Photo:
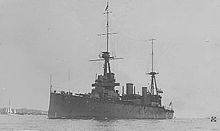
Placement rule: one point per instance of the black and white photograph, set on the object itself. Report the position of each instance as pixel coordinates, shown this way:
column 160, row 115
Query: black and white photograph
column 109, row 65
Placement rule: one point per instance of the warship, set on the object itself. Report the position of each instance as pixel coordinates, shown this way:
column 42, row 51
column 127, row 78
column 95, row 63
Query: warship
column 104, row 101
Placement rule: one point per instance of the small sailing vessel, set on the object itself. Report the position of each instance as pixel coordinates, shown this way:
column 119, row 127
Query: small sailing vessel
column 9, row 110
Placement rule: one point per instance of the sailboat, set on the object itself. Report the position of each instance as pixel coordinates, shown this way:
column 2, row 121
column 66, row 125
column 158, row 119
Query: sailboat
column 9, row 110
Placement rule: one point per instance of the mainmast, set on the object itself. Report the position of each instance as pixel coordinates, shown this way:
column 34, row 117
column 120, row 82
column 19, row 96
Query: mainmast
column 154, row 90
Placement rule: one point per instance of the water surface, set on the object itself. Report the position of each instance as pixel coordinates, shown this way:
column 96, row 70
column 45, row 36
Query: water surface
column 41, row 123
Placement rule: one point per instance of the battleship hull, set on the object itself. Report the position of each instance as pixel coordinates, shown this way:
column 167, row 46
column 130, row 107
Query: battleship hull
column 74, row 107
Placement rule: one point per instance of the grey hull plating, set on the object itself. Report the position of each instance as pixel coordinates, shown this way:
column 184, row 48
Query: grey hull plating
column 70, row 106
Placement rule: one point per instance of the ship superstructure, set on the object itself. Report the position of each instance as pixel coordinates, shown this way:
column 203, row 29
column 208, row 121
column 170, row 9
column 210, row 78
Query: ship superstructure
column 106, row 102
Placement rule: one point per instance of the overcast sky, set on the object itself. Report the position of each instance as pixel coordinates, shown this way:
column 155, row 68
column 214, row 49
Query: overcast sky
column 43, row 37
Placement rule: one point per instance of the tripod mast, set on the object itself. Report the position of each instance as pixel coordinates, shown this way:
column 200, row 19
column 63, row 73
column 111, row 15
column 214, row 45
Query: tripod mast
column 106, row 54
column 153, row 73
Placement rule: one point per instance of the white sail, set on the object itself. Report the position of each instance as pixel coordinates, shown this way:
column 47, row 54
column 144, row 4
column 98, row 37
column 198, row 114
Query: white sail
column 10, row 111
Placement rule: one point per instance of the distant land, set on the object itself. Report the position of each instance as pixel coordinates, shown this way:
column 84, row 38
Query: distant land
column 22, row 111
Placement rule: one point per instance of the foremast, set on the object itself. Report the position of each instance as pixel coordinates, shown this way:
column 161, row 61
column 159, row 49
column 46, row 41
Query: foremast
column 104, row 84
column 106, row 55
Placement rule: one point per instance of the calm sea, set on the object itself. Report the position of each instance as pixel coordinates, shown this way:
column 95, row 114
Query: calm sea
column 41, row 123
